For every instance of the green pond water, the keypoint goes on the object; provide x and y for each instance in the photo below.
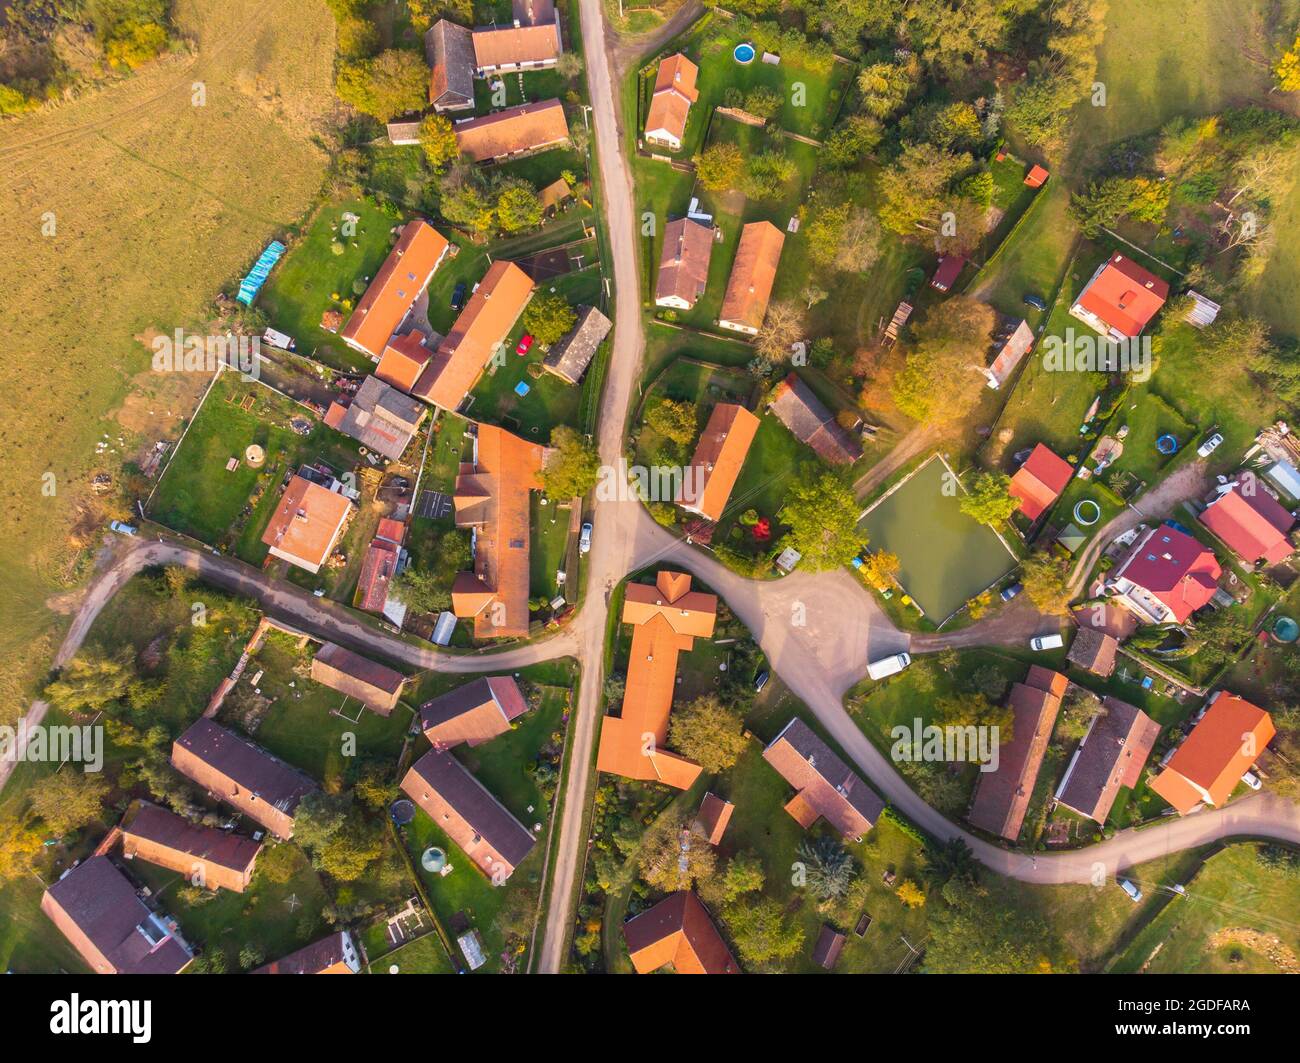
(945, 557)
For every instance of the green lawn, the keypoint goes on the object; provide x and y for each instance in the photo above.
(550, 538)
(424, 955)
(311, 279)
(199, 497)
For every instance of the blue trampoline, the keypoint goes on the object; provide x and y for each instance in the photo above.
(252, 284)
(522, 389)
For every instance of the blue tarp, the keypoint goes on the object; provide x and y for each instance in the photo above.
(252, 284)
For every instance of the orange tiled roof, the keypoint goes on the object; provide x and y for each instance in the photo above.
(713, 817)
(527, 127)
(678, 74)
(752, 274)
(1211, 761)
(515, 45)
(492, 497)
(678, 931)
(719, 455)
(403, 360)
(403, 276)
(667, 113)
(306, 524)
(1040, 480)
(666, 618)
(481, 327)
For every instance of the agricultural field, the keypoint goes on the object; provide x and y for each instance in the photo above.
(113, 172)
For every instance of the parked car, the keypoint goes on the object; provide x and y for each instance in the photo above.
(319, 592)
(888, 666)
(1010, 592)
(458, 297)
(1209, 446)
(122, 529)
(1252, 780)
(1128, 887)
(525, 343)
(584, 540)
(760, 681)
(1046, 642)
(1036, 301)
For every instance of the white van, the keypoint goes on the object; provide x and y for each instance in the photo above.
(888, 666)
(1046, 642)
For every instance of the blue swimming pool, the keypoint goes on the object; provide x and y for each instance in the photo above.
(744, 53)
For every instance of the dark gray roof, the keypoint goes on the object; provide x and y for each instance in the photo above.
(570, 357)
(382, 418)
(449, 50)
(802, 412)
(253, 768)
(470, 799)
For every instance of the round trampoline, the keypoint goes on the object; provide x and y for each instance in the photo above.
(1166, 444)
(433, 860)
(1087, 512)
(744, 53)
(1286, 629)
(402, 811)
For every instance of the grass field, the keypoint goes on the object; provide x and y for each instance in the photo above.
(154, 211)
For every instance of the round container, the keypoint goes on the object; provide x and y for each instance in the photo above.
(433, 860)
(1087, 512)
(744, 53)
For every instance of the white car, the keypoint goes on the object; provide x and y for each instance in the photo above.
(1252, 780)
(1128, 887)
(584, 540)
(888, 666)
(1046, 642)
(1209, 446)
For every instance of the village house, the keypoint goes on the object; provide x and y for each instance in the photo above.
(684, 263)
(719, 456)
(475, 337)
(1094, 651)
(1209, 763)
(468, 814)
(1111, 754)
(752, 275)
(449, 51)
(99, 911)
(234, 770)
(1120, 299)
(1002, 796)
(1039, 481)
(666, 617)
(1166, 576)
(474, 713)
(492, 499)
(1250, 522)
(825, 788)
(571, 355)
(524, 129)
(712, 818)
(378, 416)
(380, 565)
(678, 933)
(376, 686)
(811, 423)
(401, 280)
(403, 361)
(307, 524)
(670, 105)
(216, 858)
(336, 954)
(517, 48)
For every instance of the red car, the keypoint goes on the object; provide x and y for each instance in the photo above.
(525, 343)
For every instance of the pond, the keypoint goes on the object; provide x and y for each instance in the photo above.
(945, 557)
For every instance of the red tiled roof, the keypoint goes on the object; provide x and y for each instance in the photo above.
(376, 576)
(1254, 525)
(950, 267)
(1040, 480)
(1124, 295)
(1175, 568)
(827, 787)
(713, 817)
(1036, 176)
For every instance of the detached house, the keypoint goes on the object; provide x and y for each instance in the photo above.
(1166, 576)
(825, 786)
(478, 333)
(810, 422)
(1120, 299)
(752, 275)
(491, 499)
(684, 263)
(1111, 754)
(666, 617)
(678, 933)
(1039, 481)
(234, 770)
(449, 49)
(516, 48)
(670, 105)
(1250, 521)
(401, 280)
(336, 954)
(307, 524)
(719, 457)
(521, 130)
(375, 685)
(475, 713)
(1208, 765)
(222, 860)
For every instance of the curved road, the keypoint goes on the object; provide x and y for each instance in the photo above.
(818, 630)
